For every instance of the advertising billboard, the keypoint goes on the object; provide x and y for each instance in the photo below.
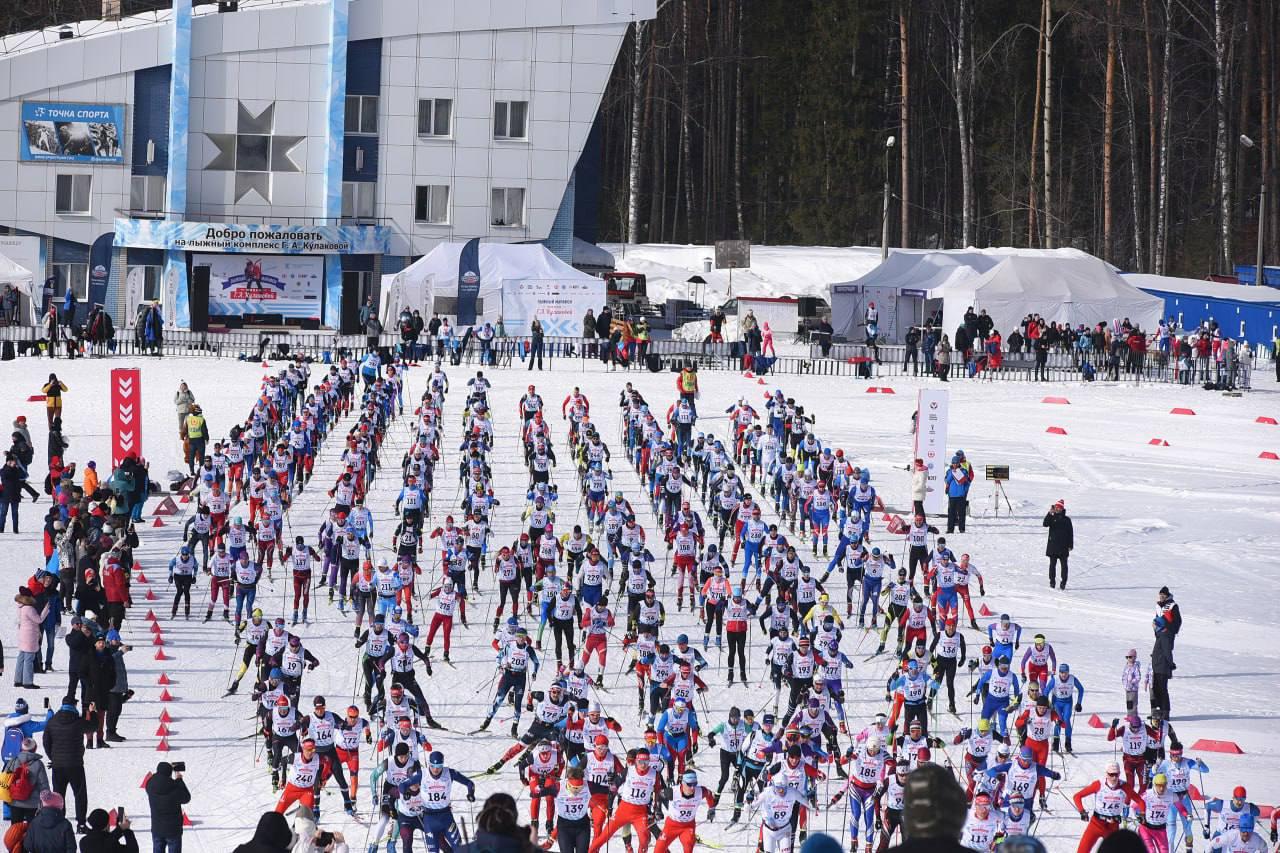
(72, 133)
(289, 285)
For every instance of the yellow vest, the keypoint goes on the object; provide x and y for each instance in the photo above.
(195, 426)
(688, 381)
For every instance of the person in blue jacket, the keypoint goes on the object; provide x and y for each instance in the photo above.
(958, 479)
(18, 725)
(1063, 687)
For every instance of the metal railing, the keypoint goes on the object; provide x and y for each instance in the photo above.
(851, 360)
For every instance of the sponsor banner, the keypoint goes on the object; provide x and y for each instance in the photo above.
(558, 305)
(468, 282)
(72, 133)
(255, 239)
(126, 414)
(931, 446)
(268, 284)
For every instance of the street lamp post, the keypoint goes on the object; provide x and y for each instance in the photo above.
(1262, 212)
(884, 219)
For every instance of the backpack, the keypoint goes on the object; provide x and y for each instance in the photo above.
(15, 782)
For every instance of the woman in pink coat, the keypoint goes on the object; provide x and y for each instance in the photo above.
(29, 619)
(766, 346)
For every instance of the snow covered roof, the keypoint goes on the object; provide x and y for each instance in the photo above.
(590, 255)
(1209, 289)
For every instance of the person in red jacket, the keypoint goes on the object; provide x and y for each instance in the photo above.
(1110, 796)
(115, 585)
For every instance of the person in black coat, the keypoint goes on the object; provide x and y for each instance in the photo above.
(57, 443)
(90, 597)
(167, 794)
(49, 829)
(604, 322)
(1162, 665)
(101, 839)
(97, 677)
(13, 482)
(79, 642)
(273, 835)
(1169, 610)
(63, 741)
(1061, 541)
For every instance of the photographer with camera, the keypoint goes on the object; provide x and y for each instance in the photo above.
(1061, 542)
(166, 795)
(101, 838)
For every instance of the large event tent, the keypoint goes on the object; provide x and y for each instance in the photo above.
(517, 282)
(1070, 290)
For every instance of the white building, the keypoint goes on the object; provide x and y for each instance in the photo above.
(293, 149)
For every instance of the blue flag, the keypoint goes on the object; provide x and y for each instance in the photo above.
(468, 282)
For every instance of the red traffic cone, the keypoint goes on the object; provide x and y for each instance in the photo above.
(164, 679)
(151, 596)
(164, 716)
(163, 745)
(159, 522)
(1056, 430)
(1096, 722)
(984, 610)
(166, 696)
(160, 655)
(185, 499)
(186, 821)
(151, 614)
(145, 779)
(264, 364)
(162, 731)
(141, 578)
(157, 640)
(155, 627)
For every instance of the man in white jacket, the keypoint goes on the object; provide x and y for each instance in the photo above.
(919, 486)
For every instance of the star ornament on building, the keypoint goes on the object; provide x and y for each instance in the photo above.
(254, 152)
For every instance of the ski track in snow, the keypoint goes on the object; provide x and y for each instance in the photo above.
(1198, 515)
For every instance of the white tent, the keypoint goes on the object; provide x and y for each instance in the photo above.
(898, 287)
(517, 283)
(19, 277)
(1071, 290)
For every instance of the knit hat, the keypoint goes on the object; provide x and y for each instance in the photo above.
(934, 804)
(51, 800)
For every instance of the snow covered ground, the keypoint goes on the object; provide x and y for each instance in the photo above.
(1201, 515)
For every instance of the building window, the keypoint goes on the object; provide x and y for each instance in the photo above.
(72, 195)
(506, 207)
(431, 205)
(362, 114)
(359, 199)
(435, 117)
(146, 194)
(151, 278)
(509, 119)
(75, 275)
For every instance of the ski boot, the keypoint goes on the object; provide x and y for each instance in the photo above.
(356, 632)
(295, 618)
(208, 614)
(737, 814)
(239, 631)
(350, 808)
(235, 685)
(495, 625)
(706, 641)
(973, 623)
(432, 724)
(719, 642)
(514, 726)
(1055, 744)
(730, 678)
(226, 615)
(1067, 744)
(446, 657)
(600, 679)
(485, 725)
